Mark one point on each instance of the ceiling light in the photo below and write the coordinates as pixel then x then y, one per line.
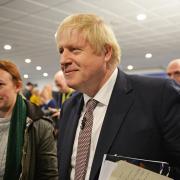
pixel 148 55
pixel 141 17
pixel 26 76
pixel 130 67
pixel 27 60
pixel 7 47
pixel 45 74
pixel 55 35
pixel 38 68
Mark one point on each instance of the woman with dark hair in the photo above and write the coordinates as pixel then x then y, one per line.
pixel 27 146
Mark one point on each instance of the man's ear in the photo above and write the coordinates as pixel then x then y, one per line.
pixel 107 52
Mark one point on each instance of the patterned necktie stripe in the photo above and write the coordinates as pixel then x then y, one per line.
pixel 84 141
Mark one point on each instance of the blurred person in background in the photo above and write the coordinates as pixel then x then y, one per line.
pixel 35 97
pixel 48 103
pixel 47 97
pixel 173 70
pixel 27 91
pixel 27 146
pixel 64 91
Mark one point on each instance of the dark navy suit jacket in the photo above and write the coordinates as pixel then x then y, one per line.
pixel 142 121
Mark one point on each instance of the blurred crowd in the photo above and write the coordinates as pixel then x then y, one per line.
pixel 48 99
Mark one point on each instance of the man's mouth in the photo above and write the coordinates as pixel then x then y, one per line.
pixel 69 71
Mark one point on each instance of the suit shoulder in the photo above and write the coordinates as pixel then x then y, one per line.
pixel 144 78
pixel 147 81
pixel 152 84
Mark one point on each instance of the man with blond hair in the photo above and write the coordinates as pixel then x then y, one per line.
pixel 113 113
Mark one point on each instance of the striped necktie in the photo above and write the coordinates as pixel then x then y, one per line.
pixel 84 141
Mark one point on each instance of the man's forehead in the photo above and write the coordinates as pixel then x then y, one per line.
pixel 74 37
pixel 172 70
pixel 175 65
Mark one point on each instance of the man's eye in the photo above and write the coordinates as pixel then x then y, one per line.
pixel 61 50
pixel 75 50
pixel 177 73
pixel 169 74
pixel 1 84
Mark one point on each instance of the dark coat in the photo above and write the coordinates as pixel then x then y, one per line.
pixel 142 121
pixel 39 161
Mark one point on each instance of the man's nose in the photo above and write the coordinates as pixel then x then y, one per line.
pixel 65 57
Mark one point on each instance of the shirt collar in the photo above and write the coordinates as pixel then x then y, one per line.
pixel 104 94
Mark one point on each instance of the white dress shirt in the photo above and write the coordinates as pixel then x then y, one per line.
pixel 103 97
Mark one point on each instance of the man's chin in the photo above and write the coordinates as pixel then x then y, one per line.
pixel 72 84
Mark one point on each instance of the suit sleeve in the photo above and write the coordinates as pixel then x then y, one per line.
pixel 170 124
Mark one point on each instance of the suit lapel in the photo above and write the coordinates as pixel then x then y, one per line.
pixel 120 102
pixel 70 134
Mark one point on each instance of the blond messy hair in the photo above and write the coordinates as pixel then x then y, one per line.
pixel 95 32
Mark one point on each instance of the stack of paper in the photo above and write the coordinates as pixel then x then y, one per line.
pixel 123 170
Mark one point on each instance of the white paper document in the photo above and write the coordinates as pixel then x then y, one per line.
pixel 123 170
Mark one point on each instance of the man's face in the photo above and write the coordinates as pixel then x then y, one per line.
pixel 173 72
pixel 8 91
pixel 61 85
pixel 82 68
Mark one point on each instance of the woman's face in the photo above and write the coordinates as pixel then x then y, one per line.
pixel 8 93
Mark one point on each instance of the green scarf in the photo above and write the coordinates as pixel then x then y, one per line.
pixel 15 140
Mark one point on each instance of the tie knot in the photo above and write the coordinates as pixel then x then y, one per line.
pixel 91 104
